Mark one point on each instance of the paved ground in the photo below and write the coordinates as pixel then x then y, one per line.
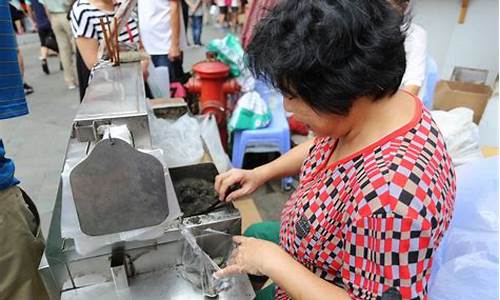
pixel 37 142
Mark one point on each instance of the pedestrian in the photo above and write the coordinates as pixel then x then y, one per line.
pixel 16 15
pixel 21 241
pixel 256 10
pixel 85 23
pixel 416 50
pixel 223 11
pixel 163 35
pixel 45 33
pixel 58 11
pixel 196 15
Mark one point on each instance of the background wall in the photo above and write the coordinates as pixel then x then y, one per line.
pixel 473 44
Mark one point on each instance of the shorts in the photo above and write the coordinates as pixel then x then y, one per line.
pixel 43 34
pixel 223 10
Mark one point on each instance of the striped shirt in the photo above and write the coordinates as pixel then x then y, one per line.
pixel 12 98
pixel 85 22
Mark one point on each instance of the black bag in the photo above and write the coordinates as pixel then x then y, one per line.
pixel 51 43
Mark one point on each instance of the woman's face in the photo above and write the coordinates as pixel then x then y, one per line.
pixel 321 124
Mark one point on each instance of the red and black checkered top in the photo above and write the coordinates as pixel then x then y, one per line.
pixel 372 221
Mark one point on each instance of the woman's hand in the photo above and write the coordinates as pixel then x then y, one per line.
pixel 249 180
pixel 250 257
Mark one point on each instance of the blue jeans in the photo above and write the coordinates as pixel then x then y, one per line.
pixel 175 69
pixel 196 26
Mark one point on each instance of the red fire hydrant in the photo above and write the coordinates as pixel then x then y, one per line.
pixel 212 84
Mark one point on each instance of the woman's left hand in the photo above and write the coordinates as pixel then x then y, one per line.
pixel 250 257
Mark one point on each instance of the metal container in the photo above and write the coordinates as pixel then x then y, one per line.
pixel 115 95
pixel 133 269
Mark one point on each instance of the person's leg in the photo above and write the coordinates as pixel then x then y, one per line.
pixel 197 27
pixel 266 293
pixel 28 89
pixel 44 51
pixel 269 231
pixel 62 31
pixel 21 249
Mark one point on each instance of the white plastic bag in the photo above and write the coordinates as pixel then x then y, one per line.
pixel 460 133
pixel 465 265
pixel 159 81
pixel 251 112
pixel 180 140
pixel 211 138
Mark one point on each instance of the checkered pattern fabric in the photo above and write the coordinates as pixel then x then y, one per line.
pixel 372 221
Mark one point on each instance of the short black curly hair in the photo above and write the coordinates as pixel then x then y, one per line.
pixel 330 52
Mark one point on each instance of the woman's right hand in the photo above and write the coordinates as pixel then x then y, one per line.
pixel 249 180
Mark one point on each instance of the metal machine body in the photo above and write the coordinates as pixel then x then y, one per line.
pixel 136 269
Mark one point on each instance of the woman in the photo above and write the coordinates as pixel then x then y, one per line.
pixel 376 187
pixel 85 23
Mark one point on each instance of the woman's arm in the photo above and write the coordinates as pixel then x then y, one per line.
pixel 88 50
pixel 287 165
pixel 256 256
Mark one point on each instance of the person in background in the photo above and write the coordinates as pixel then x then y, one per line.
pixel 163 35
pixel 254 12
pixel 376 186
pixel 416 50
pixel 196 14
pixel 222 22
pixel 185 17
pixel 17 14
pixel 44 31
pixel 85 24
pixel 57 11
pixel 21 241
pixel 233 14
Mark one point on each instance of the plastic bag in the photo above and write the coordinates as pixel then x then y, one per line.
pixel 198 267
pixel 230 52
pixel 465 265
pixel 488 126
pixel 460 133
pixel 251 112
pixel 180 140
pixel 211 138
pixel 159 81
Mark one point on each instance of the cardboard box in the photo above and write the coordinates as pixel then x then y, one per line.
pixel 452 94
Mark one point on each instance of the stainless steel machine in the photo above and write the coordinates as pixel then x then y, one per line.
pixel 112 189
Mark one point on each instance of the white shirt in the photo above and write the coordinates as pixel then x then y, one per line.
pixel 416 51
pixel 154 25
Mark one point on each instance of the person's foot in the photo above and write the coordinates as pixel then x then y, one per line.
pixel 71 87
pixel 45 67
pixel 27 89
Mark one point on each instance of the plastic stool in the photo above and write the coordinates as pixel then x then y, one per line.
pixel 431 79
pixel 276 134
